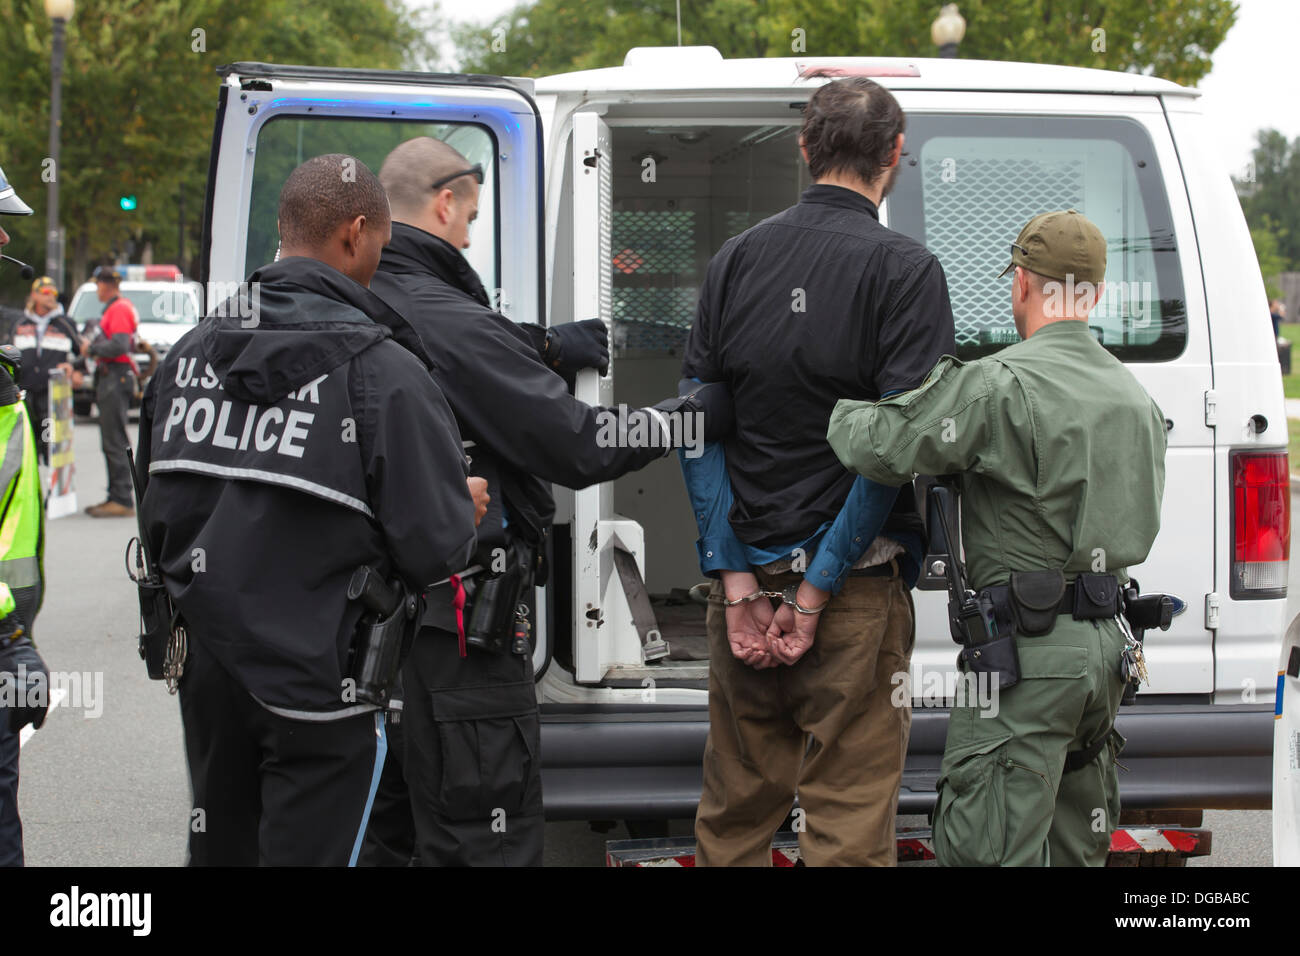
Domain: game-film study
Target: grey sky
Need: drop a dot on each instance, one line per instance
(1253, 85)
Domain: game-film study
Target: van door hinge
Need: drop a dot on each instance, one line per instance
(1212, 603)
(1211, 408)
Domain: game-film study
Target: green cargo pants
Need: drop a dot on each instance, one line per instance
(1003, 797)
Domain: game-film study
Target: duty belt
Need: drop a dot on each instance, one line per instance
(1033, 600)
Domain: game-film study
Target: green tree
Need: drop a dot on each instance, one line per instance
(1173, 39)
(1270, 198)
(1271, 263)
(139, 99)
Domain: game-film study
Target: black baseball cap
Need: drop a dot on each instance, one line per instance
(107, 274)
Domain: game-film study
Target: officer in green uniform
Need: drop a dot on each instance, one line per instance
(1060, 454)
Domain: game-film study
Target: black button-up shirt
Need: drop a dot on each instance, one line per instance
(818, 303)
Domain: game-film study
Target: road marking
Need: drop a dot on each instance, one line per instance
(56, 698)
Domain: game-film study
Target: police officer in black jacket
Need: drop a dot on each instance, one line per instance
(470, 723)
(286, 441)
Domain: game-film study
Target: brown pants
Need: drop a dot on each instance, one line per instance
(827, 729)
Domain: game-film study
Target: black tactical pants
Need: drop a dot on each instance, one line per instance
(269, 790)
(472, 761)
(11, 828)
(114, 386)
(390, 835)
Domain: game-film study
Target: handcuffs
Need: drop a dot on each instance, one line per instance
(789, 597)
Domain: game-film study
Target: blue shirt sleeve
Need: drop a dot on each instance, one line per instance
(709, 488)
(855, 527)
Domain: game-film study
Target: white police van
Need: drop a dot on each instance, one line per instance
(605, 194)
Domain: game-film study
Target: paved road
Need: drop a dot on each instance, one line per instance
(111, 789)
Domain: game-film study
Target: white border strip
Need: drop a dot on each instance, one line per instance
(270, 477)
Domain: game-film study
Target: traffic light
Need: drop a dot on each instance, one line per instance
(127, 203)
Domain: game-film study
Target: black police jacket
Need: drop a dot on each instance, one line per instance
(284, 442)
(525, 428)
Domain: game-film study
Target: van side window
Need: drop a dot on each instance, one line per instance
(286, 141)
(969, 183)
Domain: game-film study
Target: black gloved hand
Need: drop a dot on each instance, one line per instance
(712, 399)
(577, 345)
(24, 685)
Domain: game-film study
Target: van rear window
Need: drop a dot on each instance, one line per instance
(969, 183)
(286, 141)
(680, 192)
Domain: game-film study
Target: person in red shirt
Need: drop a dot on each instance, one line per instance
(115, 372)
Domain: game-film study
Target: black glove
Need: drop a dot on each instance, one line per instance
(577, 345)
(713, 399)
(24, 685)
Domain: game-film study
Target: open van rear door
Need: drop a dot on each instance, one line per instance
(604, 633)
(270, 118)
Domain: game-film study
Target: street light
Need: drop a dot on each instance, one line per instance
(947, 30)
(59, 12)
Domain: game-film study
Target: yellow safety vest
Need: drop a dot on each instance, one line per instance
(22, 515)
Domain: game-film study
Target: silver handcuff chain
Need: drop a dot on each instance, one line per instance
(753, 597)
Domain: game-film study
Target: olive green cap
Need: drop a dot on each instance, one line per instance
(1060, 244)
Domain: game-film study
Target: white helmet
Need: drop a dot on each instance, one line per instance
(9, 201)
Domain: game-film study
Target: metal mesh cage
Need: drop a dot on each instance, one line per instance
(969, 227)
(653, 251)
(657, 262)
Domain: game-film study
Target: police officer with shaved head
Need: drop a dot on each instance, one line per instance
(470, 715)
(287, 443)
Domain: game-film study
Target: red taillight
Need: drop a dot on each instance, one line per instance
(1261, 523)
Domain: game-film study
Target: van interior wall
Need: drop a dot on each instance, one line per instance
(702, 185)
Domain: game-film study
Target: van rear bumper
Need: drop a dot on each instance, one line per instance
(616, 763)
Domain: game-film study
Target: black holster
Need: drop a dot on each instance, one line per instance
(987, 636)
(157, 617)
(1145, 611)
(997, 656)
(384, 635)
(492, 601)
